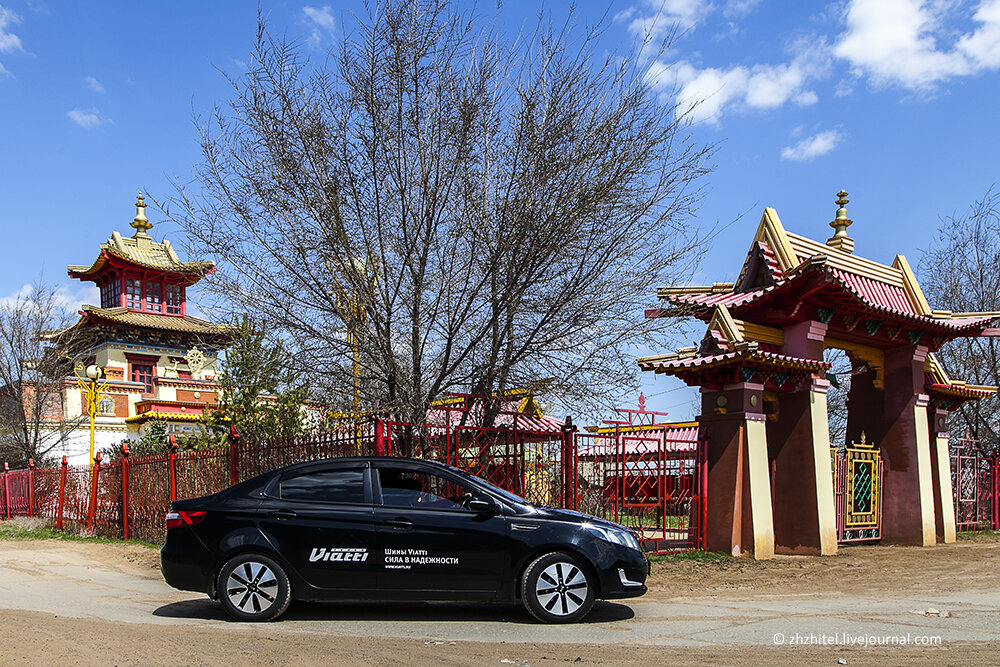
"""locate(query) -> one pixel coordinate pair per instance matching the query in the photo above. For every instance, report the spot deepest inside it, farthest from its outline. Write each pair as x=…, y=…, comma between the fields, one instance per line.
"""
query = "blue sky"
x=893, y=100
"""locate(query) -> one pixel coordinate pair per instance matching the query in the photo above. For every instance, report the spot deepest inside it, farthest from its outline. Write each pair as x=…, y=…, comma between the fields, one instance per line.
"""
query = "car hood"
x=569, y=516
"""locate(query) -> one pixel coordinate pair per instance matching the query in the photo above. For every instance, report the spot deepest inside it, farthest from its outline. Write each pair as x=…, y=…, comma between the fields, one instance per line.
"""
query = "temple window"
x=154, y=296
x=133, y=294
x=174, y=294
x=144, y=374
x=111, y=296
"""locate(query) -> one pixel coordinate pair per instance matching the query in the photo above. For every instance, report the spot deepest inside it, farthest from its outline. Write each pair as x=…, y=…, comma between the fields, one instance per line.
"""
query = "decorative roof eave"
x=681, y=427
x=681, y=362
x=961, y=390
x=166, y=416
x=703, y=305
x=127, y=318
x=108, y=256
x=714, y=288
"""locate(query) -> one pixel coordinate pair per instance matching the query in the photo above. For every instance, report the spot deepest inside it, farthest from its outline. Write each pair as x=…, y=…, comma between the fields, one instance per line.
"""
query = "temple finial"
x=139, y=222
x=840, y=240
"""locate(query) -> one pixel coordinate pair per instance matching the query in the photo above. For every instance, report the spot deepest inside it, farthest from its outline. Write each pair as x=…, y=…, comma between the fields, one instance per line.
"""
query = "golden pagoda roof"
x=141, y=250
x=185, y=324
x=123, y=316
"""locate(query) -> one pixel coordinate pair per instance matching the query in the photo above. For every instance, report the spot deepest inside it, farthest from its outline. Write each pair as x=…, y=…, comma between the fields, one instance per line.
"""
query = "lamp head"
x=93, y=371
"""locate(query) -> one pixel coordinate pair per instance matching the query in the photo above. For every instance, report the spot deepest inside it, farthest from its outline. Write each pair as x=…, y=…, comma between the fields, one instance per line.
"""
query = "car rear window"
x=326, y=486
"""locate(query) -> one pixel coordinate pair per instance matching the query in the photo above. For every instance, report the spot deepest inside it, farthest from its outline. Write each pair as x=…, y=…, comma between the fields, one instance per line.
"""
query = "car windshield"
x=506, y=495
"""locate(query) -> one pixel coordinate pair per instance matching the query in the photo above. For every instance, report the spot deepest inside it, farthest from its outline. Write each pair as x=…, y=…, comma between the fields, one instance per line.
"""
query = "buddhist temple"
x=775, y=484
x=157, y=359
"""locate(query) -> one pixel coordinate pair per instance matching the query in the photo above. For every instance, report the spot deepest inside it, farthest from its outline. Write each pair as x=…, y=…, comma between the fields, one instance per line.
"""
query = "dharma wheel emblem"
x=196, y=360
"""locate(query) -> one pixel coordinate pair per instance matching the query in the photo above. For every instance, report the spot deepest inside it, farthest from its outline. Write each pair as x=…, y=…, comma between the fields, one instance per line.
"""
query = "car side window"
x=326, y=486
x=411, y=488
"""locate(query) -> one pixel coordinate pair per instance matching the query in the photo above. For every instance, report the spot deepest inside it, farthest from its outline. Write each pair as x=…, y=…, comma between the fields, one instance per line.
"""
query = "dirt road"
x=85, y=603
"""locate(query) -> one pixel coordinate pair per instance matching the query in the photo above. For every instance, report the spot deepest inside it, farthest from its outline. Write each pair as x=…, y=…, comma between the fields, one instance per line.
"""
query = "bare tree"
x=836, y=397
x=961, y=273
x=437, y=210
x=32, y=373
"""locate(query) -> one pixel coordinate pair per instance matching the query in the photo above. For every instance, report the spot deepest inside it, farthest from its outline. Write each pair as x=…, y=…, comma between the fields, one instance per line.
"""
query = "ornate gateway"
x=857, y=479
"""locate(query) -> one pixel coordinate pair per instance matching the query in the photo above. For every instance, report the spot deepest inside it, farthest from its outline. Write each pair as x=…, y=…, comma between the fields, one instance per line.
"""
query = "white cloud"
x=323, y=24
x=9, y=42
x=982, y=47
x=87, y=118
x=93, y=84
x=812, y=147
x=897, y=42
x=67, y=298
x=704, y=93
x=653, y=21
x=739, y=8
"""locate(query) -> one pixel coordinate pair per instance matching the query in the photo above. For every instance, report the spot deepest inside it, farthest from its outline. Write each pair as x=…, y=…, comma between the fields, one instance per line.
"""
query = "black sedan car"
x=393, y=528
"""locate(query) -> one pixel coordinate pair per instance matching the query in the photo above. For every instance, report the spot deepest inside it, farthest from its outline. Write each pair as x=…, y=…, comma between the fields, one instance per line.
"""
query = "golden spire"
x=139, y=222
x=840, y=240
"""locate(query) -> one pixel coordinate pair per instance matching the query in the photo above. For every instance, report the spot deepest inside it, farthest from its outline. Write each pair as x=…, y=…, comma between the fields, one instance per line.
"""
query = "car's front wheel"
x=557, y=588
x=253, y=587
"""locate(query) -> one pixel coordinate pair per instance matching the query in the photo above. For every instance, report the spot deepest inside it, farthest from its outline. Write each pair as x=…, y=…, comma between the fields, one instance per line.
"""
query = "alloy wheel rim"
x=252, y=587
x=561, y=588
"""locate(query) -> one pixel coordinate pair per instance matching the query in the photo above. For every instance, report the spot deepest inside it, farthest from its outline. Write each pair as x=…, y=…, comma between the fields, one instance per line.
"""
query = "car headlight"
x=624, y=538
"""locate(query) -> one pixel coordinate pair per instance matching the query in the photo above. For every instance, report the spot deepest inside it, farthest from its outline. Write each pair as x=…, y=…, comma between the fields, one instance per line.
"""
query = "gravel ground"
x=89, y=603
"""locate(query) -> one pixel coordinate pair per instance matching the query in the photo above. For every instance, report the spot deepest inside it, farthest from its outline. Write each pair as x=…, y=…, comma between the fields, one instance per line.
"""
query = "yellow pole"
x=92, y=409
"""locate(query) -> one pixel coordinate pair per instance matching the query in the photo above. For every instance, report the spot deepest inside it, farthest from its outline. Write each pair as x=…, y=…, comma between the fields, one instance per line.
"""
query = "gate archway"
x=763, y=382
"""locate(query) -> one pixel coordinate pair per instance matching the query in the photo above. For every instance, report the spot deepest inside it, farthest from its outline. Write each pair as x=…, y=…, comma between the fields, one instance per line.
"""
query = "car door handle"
x=398, y=523
x=281, y=514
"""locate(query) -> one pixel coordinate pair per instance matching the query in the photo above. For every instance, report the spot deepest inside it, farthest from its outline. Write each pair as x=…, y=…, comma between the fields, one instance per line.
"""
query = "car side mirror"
x=484, y=506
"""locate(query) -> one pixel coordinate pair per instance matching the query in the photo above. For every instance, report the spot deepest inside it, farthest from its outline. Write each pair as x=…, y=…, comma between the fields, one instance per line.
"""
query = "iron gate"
x=974, y=485
x=652, y=481
x=857, y=478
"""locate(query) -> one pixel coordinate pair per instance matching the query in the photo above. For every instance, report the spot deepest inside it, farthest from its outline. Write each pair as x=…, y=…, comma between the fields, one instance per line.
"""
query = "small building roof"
x=91, y=315
x=143, y=252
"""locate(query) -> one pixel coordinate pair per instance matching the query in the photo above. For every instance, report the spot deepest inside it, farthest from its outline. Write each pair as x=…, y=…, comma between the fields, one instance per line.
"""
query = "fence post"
x=173, y=469
x=568, y=451
x=996, y=491
x=62, y=492
x=125, y=490
x=234, y=453
x=6, y=490
x=31, y=487
x=379, y=437
x=92, y=511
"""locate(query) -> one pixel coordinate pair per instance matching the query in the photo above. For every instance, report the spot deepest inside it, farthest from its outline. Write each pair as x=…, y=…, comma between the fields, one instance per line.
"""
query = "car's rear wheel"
x=557, y=588
x=253, y=587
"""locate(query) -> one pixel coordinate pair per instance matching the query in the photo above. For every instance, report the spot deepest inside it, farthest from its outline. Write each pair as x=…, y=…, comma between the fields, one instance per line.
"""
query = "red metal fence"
x=651, y=479
x=649, y=482
x=975, y=481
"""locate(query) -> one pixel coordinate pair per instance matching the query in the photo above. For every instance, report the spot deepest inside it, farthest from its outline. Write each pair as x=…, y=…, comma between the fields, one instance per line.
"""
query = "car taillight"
x=181, y=518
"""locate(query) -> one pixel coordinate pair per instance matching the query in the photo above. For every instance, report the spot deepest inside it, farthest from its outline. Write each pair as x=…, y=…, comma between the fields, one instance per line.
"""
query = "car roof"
x=362, y=459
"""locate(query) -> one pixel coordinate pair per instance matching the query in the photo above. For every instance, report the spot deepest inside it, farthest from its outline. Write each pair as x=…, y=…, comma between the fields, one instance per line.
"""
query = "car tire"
x=253, y=587
x=557, y=588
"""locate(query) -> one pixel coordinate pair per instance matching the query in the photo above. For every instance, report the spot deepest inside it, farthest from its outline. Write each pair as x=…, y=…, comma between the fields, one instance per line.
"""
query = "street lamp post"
x=95, y=391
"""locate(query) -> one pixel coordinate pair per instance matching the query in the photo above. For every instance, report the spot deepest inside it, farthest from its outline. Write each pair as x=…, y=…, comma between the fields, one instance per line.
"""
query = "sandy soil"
x=141, y=621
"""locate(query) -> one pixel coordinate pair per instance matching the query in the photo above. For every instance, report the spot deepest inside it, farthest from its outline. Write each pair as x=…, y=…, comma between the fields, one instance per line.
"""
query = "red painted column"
x=379, y=437
x=62, y=492
x=125, y=490
x=173, y=468
x=31, y=487
x=907, y=498
x=234, y=453
x=732, y=459
x=6, y=490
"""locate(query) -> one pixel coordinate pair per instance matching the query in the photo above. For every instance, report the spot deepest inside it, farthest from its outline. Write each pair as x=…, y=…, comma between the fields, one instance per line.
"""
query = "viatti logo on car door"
x=358, y=555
